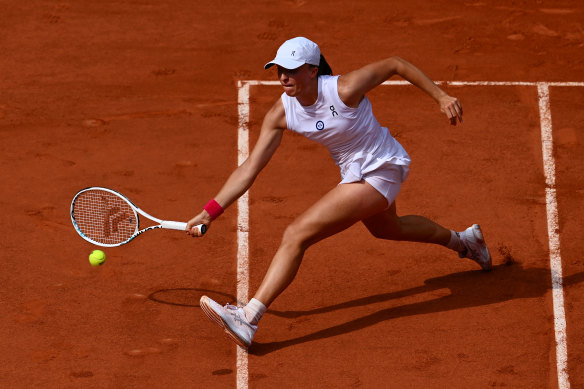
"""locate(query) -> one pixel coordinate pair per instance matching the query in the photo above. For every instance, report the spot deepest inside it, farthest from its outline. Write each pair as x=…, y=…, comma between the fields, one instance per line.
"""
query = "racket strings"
x=104, y=217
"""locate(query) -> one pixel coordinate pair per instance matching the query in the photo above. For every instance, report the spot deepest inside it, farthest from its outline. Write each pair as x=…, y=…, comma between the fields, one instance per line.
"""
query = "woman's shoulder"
x=329, y=79
x=277, y=114
x=329, y=84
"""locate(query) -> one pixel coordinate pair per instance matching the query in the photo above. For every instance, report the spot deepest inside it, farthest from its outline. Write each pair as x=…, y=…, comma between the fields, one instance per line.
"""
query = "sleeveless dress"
x=356, y=141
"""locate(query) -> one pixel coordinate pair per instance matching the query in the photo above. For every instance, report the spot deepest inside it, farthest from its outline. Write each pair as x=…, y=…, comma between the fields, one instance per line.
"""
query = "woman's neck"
x=309, y=95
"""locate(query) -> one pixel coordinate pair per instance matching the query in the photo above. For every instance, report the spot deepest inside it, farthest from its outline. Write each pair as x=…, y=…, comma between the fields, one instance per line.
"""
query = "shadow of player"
x=467, y=289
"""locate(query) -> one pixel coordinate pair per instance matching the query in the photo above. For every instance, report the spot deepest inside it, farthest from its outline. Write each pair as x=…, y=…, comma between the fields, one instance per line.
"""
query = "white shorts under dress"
x=386, y=179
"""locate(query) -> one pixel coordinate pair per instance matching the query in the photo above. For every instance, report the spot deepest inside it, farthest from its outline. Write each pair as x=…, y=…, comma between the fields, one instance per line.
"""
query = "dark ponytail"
x=324, y=68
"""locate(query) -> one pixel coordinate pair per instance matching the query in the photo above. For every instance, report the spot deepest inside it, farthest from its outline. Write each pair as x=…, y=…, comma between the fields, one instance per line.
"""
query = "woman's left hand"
x=452, y=108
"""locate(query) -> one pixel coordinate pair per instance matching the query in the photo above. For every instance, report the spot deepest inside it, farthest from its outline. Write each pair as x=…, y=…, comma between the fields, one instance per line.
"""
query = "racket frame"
x=166, y=224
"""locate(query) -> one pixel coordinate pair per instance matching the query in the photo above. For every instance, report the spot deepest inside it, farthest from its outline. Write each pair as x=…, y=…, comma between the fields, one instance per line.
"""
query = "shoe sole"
x=217, y=319
x=478, y=233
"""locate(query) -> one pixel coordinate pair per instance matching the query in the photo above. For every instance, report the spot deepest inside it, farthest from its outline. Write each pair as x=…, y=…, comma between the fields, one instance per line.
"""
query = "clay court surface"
x=142, y=97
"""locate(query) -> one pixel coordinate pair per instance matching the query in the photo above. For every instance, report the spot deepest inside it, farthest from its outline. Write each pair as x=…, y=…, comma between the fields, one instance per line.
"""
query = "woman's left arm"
x=353, y=86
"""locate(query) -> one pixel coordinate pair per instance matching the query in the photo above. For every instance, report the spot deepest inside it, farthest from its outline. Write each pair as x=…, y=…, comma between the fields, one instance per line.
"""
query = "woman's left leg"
x=469, y=243
x=413, y=228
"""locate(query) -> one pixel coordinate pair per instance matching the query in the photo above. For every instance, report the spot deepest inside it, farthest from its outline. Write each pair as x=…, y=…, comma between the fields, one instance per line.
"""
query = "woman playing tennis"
x=334, y=111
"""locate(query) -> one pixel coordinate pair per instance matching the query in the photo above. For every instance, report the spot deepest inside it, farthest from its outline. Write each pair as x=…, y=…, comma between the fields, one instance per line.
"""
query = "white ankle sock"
x=254, y=311
x=455, y=242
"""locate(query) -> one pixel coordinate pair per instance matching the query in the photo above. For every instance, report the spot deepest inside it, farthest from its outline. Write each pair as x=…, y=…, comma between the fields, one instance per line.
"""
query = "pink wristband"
x=213, y=209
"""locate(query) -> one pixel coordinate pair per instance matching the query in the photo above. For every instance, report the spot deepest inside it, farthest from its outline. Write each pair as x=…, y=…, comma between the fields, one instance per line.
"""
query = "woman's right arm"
x=243, y=177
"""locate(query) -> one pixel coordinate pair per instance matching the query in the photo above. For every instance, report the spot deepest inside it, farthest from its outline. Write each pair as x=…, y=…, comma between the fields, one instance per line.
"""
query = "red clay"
x=142, y=97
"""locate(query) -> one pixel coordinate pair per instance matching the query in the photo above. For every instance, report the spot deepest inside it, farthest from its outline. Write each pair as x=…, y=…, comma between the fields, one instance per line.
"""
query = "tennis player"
x=334, y=111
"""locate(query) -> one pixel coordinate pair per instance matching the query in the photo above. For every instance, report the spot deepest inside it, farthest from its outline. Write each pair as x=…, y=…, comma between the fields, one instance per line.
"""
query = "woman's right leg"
x=339, y=209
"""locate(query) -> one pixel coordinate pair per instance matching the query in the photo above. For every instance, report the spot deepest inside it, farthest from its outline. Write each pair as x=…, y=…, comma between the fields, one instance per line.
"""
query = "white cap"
x=296, y=52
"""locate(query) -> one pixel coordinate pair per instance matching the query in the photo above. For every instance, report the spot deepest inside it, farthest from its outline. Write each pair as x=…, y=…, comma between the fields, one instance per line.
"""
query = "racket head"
x=104, y=217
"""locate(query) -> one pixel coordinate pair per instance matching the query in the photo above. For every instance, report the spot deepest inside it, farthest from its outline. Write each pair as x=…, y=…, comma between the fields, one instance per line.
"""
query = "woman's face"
x=295, y=81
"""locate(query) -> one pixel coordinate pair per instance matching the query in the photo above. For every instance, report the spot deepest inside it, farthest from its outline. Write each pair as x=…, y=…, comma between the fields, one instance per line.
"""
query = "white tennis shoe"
x=475, y=247
x=232, y=319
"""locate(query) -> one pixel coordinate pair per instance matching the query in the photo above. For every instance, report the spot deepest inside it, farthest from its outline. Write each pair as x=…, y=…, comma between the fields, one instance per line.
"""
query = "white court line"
x=242, y=225
x=453, y=83
x=551, y=207
x=553, y=235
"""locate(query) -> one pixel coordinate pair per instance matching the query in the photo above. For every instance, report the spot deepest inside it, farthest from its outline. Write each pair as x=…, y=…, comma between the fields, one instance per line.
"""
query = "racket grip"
x=173, y=225
x=170, y=225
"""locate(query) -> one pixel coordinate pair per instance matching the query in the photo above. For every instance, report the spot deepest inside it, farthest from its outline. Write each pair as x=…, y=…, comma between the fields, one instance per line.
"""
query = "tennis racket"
x=107, y=218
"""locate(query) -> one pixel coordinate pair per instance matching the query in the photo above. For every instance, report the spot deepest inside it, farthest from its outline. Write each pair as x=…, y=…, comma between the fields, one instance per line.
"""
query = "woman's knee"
x=295, y=235
x=388, y=231
x=385, y=226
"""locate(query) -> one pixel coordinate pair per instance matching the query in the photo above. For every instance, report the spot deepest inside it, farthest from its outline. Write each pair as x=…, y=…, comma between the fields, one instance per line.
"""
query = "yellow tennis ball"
x=97, y=258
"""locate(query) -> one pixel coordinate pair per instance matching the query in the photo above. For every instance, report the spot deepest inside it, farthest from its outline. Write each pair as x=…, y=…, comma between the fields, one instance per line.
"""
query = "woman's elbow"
x=396, y=63
x=249, y=170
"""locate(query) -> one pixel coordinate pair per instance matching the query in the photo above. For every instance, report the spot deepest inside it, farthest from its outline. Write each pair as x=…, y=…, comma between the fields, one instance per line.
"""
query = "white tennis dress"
x=358, y=144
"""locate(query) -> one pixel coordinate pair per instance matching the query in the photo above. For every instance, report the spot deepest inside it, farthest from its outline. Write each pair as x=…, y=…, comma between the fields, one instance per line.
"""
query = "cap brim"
x=284, y=62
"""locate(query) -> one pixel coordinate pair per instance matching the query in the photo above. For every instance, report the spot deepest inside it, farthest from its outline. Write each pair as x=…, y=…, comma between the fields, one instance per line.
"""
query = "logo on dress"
x=293, y=52
x=333, y=112
x=320, y=125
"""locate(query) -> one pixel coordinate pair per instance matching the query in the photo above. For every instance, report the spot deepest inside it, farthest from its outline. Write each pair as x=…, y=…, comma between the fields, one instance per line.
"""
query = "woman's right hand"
x=201, y=218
